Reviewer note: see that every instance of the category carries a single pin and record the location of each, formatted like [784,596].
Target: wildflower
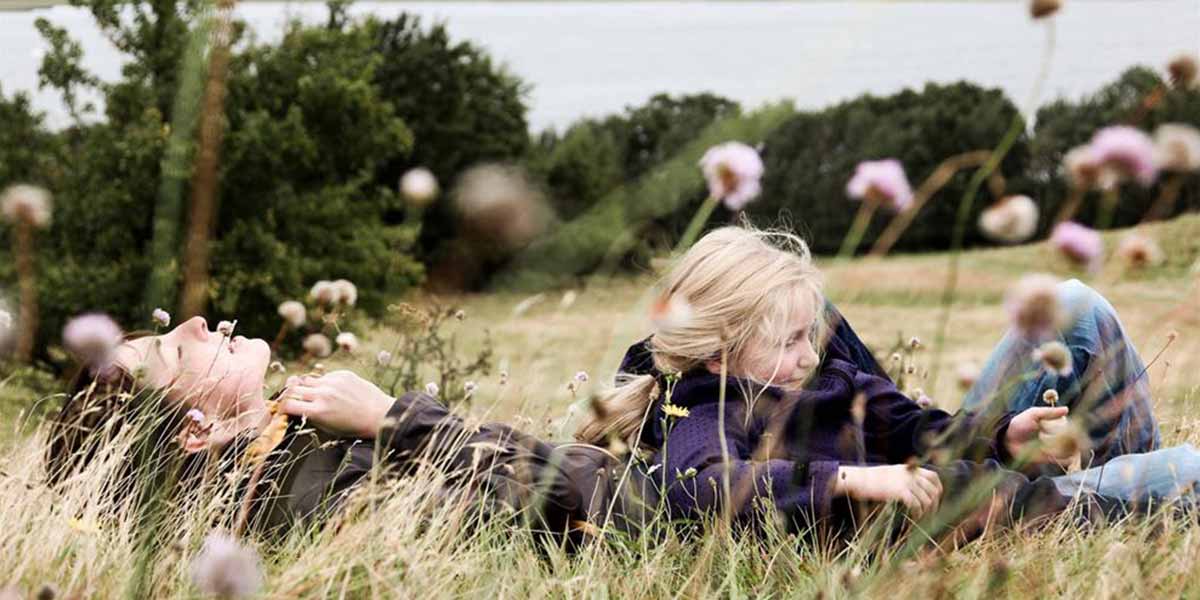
[581,377]
[195,416]
[347,342]
[324,293]
[687,474]
[733,171]
[1177,147]
[1079,244]
[1012,219]
[27,204]
[346,292]
[523,306]
[1183,70]
[503,377]
[1040,9]
[277,367]
[1033,307]
[293,313]
[1139,251]
[675,411]
[317,345]
[384,358]
[225,328]
[896,358]
[91,337]
[1083,168]
[432,389]
[883,182]
[966,374]
[469,388]
[1055,358]
[1172,336]
[161,317]
[914,342]
[669,313]
[226,569]
[419,186]
[922,399]
[460,315]
[1125,152]
[568,299]
[1050,397]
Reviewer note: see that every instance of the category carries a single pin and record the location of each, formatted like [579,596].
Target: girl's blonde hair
[739,284]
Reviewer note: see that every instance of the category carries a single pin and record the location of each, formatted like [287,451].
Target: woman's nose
[198,327]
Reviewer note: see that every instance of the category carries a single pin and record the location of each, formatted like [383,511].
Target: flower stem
[693,229]
[27,327]
[1107,207]
[861,220]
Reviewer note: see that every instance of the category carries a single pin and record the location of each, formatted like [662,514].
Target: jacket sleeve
[902,429]
[693,475]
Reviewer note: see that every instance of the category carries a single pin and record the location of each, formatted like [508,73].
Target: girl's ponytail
[619,411]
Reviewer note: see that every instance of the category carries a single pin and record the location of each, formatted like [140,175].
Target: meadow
[399,540]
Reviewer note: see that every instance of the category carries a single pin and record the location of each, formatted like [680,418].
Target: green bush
[810,159]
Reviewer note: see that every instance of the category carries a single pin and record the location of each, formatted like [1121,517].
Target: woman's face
[200,368]
[786,360]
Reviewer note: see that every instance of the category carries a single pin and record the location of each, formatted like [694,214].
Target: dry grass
[81,544]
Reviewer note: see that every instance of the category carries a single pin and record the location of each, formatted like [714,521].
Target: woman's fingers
[1043,413]
[932,477]
[301,401]
[930,490]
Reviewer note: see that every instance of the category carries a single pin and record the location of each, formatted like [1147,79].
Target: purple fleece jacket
[786,447]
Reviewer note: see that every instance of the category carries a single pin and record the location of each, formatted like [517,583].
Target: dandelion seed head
[347,342]
[419,187]
[324,293]
[316,344]
[384,358]
[432,389]
[881,181]
[460,315]
[732,171]
[29,204]
[1012,219]
[346,293]
[1050,397]
[277,367]
[469,388]
[226,569]
[91,337]
[293,313]
[914,343]
[160,317]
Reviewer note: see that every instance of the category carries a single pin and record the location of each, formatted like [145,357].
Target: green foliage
[810,159]
[1062,125]
[426,350]
[28,153]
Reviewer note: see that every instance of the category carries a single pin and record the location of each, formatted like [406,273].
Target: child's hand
[918,489]
[1025,427]
[340,402]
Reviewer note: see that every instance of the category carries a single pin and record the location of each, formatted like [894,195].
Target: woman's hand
[1024,428]
[340,402]
[918,489]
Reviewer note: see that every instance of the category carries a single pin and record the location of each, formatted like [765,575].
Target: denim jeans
[1108,387]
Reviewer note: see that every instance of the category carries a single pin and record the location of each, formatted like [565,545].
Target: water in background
[589,59]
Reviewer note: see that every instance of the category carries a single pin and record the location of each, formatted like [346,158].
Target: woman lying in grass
[803,432]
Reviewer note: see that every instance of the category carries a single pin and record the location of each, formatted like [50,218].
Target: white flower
[419,186]
[161,317]
[1012,219]
[318,345]
[226,569]
[1177,147]
[324,293]
[293,313]
[733,171]
[92,336]
[347,292]
[581,377]
[432,389]
[347,341]
[26,203]
[225,328]
[470,387]
[460,315]
[384,358]
[195,415]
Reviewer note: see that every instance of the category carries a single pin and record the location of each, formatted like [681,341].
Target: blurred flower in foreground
[384,358]
[419,186]
[1177,147]
[1139,251]
[733,171]
[432,389]
[581,377]
[324,293]
[91,337]
[670,312]
[225,328]
[226,569]
[347,342]
[161,317]
[1012,219]
[1081,245]
[293,313]
[27,204]
[498,205]
[1126,153]
[966,374]
[318,345]
[345,292]
[883,182]
[1055,358]
[1183,70]
[1040,9]
[1033,307]
[1083,168]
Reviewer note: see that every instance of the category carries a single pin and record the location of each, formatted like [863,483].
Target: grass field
[86,547]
